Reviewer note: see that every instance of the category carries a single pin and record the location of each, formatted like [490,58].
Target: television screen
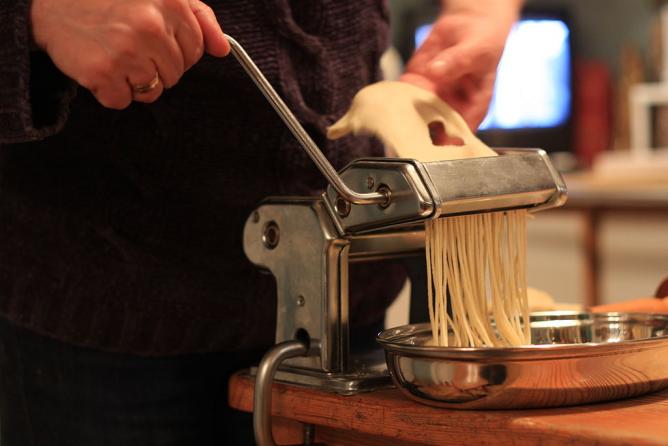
[533,83]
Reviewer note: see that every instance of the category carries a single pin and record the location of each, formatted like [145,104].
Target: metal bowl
[574,358]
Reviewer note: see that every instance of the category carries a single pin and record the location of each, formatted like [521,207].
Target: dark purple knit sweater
[121,230]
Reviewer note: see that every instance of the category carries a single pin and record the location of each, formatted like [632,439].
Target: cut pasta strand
[476,266]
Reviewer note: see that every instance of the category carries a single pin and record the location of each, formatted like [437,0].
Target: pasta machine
[372,209]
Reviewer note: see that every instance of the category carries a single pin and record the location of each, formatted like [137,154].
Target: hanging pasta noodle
[476,266]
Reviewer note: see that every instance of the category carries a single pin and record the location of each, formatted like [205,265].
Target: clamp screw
[370,182]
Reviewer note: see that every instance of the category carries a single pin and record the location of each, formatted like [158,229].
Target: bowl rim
[391,340]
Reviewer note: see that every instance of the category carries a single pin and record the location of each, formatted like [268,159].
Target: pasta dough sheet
[399,114]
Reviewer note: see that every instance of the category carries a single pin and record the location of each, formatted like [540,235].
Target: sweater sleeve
[34,94]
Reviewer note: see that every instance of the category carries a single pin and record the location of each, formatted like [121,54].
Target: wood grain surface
[387,418]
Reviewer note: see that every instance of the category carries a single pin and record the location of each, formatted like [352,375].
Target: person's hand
[458,59]
[125,50]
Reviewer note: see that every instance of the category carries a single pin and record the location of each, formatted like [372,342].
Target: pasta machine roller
[373,209]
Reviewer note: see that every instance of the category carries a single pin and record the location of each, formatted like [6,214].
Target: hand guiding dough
[399,114]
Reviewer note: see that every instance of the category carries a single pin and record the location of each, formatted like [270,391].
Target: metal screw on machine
[385,190]
[271,235]
[342,207]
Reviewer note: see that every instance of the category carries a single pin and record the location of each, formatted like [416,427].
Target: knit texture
[17,121]
[121,230]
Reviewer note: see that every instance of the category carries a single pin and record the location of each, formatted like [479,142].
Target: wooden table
[595,196]
[387,418]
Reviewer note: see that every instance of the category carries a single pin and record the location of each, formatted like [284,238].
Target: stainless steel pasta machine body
[309,243]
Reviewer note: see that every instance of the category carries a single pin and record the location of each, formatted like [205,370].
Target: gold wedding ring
[145,88]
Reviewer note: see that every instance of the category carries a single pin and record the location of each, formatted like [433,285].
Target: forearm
[24,78]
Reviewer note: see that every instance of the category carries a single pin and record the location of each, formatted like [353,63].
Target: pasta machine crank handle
[298,131]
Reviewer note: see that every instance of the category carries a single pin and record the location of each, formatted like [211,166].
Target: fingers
[451,74]
[419,80]
[115,94]
[169,58]
[433,44]
[480,98]
[189,38]
[469,97]
[146,87]
[450,64]
[214,40]
[141,38]
[143,84]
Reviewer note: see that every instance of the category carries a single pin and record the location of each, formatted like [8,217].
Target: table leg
[592,258]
